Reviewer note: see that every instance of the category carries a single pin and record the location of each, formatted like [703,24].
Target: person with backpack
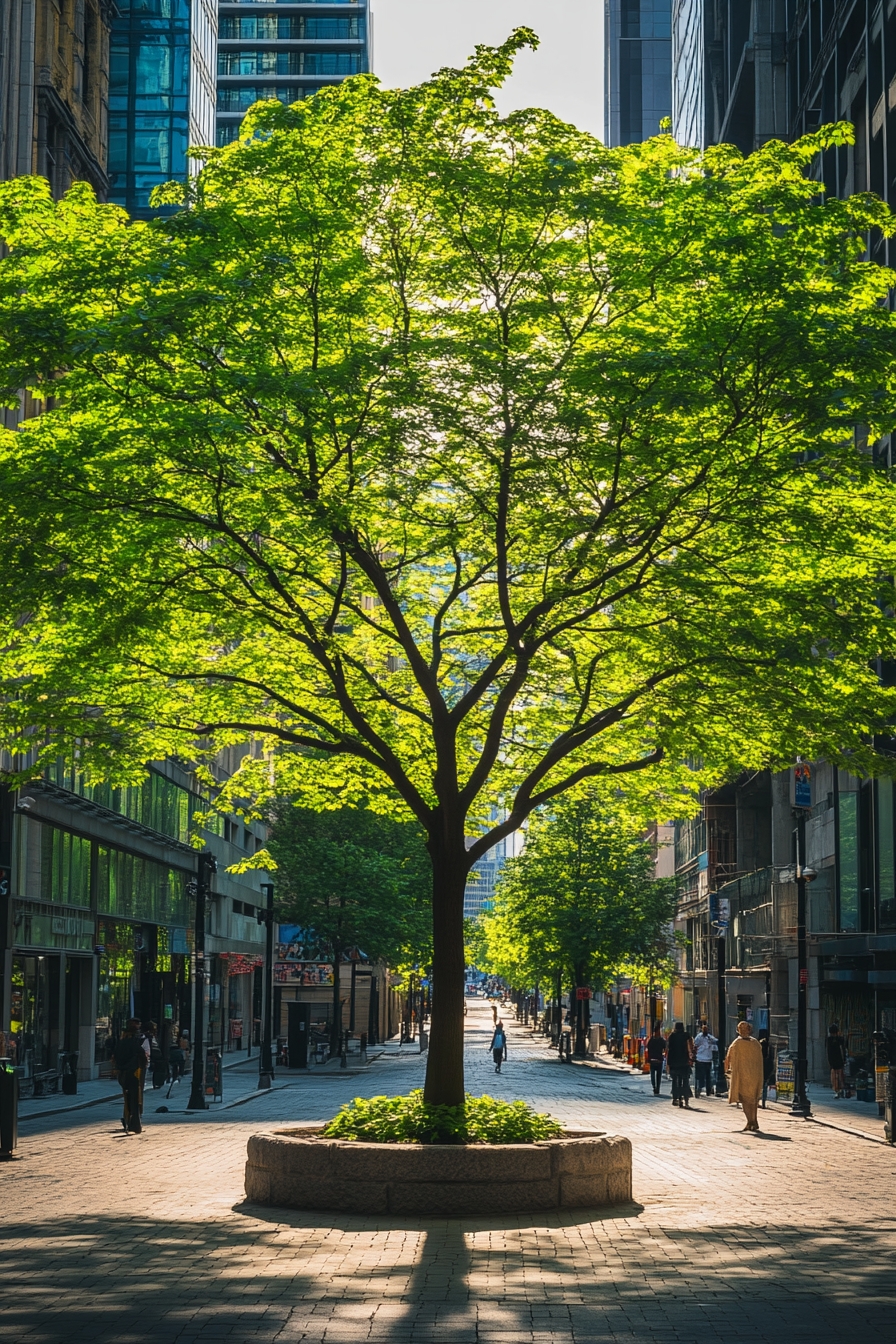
[498,1046]
[129,1057]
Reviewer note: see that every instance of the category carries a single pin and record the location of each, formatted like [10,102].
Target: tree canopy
[453,458]
[356,880]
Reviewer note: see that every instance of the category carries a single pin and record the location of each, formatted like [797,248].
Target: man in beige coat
[743,1064]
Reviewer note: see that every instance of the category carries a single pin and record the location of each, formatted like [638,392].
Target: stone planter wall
[292,1170]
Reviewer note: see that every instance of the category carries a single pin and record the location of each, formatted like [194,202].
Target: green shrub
[409,1120]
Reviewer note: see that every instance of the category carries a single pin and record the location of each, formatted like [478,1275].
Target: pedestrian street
[788,1234]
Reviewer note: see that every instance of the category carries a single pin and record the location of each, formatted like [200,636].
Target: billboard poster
[306,973]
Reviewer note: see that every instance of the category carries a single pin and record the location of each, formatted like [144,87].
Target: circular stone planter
[296,1169]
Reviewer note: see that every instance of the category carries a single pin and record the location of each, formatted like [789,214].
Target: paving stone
[114,1239]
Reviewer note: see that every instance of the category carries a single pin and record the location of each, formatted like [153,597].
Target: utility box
[9,1108]
[298,1034]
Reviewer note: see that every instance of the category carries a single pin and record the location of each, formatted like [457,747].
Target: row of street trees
[454,460]
[579,906]
[353,880]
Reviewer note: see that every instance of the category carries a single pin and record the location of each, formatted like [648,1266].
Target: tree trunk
[445,1062]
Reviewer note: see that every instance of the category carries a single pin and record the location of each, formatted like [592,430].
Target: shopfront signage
[802,785]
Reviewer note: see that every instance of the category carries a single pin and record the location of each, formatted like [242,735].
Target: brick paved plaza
[787,1235]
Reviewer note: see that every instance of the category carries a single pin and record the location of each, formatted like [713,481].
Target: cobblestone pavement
[788,1235]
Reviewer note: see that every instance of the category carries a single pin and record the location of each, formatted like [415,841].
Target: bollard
[9,1108]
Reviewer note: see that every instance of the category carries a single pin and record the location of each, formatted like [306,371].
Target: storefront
[51,975]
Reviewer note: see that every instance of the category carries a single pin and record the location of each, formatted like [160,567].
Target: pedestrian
[745,1068]
[679,1051]
[176,1061]
[656,1053]
[156,1062]
[704,1045]
[768,1064]
[129,1058]
[836,1046]
[498,1046]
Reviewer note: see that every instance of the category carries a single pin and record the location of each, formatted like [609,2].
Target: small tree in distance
[357,880]
[455,459]
[578,905]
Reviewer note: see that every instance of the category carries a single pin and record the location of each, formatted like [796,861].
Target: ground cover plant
[410,1119]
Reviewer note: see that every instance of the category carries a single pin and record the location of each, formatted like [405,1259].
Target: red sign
[804,976]
[583,992]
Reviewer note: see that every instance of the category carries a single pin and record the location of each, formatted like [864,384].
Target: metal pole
[722,1026]
[801,1106]
[266,917]
[206,864]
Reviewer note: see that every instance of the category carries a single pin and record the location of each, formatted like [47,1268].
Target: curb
[845,1129]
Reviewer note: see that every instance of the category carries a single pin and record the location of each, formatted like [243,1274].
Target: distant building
[161,95]
[638,69]
[288,53]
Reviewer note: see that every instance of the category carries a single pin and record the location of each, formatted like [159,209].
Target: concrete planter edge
[296,1169]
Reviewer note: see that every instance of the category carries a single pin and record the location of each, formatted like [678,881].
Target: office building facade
[638,69]
[161,94]
[730,71]
[54,69]
[285,50]
[745,74]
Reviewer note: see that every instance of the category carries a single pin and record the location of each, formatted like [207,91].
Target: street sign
[583,992]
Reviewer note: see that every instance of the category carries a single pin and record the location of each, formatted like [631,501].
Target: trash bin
[70,1072]
[9,1107]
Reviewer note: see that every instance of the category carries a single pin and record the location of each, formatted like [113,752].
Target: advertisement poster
[297,944]
[785,1076]
[303,973]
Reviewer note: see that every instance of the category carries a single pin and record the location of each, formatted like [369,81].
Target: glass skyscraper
[161,94]
[286,49]
[638,78]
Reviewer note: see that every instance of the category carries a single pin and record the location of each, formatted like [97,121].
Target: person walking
[157,1068]
[836,1048]
[745,1066]
[129,1058]
[704,1045]
[768,1064]
[679,1052]
[656,1053]
[498,1046]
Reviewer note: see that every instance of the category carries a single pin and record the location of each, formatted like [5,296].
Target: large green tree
[452,459]
[357,880]
[579,904]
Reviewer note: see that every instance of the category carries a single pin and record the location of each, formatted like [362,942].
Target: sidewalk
[240,1084]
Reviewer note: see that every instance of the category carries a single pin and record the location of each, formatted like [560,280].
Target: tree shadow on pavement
[269,1276]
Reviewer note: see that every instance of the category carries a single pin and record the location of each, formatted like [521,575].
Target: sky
[412,38]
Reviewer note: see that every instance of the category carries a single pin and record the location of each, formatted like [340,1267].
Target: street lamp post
[266,917]
[800,1106]
[206,865]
